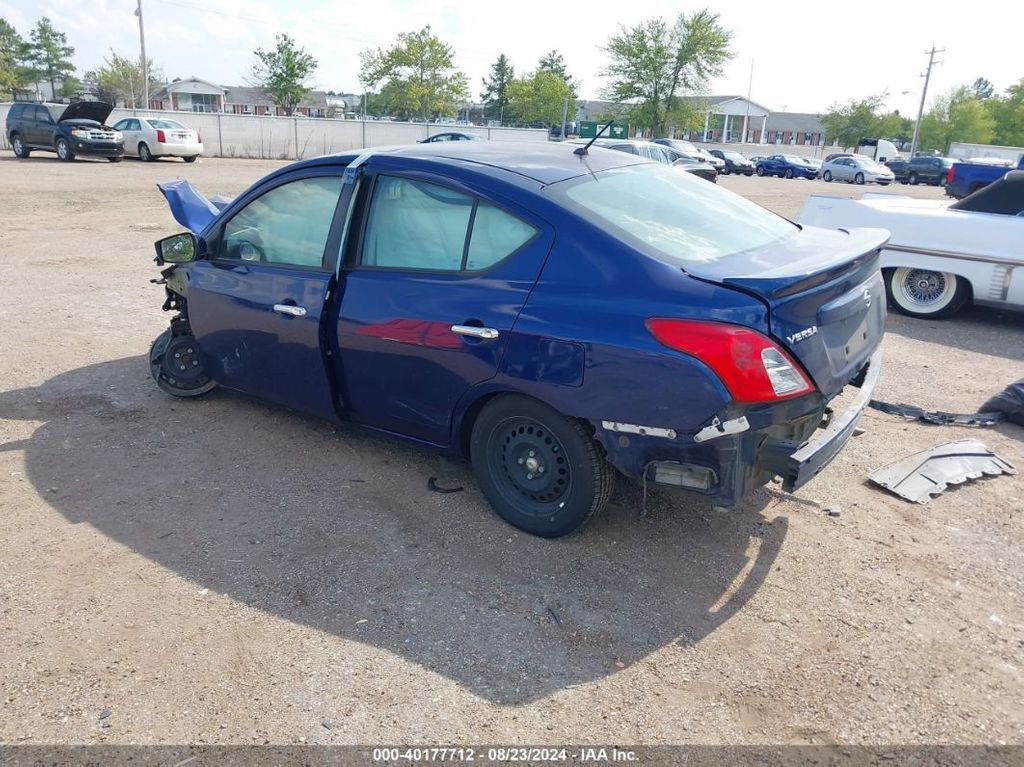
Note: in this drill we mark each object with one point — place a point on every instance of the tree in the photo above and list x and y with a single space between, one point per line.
50 54
538 98
956 116
1008 115
495 92
982 89
418 74
553 62
120 79
846 124
653 64
12 56
283 72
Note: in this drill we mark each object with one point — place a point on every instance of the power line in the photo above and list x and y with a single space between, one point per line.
927 75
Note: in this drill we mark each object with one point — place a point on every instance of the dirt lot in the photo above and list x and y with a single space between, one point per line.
223 571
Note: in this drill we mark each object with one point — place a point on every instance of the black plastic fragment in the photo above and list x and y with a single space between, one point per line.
433 487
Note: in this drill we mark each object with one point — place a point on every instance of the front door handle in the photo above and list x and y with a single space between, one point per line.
289 309
487 334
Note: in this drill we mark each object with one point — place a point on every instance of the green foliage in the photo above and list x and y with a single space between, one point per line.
49 54
283 72
652 64
956 116
982 89
1008 115
495 92
553 62
120 79
846 124
12 58
539 98
418 75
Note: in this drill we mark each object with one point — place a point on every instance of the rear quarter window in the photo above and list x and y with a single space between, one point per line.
16 110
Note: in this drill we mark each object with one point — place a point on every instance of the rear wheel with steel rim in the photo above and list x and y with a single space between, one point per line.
541 471
64 151
926 294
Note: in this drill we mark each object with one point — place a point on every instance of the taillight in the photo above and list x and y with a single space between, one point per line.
161 137
949 176
752 366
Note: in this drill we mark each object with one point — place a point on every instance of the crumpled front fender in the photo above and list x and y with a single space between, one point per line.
190 208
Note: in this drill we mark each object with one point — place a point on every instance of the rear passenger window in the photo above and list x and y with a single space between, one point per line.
496 234
417 225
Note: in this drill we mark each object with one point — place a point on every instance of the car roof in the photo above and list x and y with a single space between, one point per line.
543 162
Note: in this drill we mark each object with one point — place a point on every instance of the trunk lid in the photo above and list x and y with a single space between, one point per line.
87 110
825 296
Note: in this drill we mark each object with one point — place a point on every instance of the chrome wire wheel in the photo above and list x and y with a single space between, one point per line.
926 293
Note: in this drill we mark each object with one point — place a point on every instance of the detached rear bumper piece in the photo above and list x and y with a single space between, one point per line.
929 472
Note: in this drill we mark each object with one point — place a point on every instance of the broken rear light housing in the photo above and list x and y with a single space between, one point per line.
752 366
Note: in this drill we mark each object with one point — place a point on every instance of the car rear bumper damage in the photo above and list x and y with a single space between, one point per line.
729 458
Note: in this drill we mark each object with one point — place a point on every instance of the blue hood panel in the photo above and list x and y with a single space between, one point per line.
188 206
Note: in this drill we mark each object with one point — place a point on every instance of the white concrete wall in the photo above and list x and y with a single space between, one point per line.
290 138
765 149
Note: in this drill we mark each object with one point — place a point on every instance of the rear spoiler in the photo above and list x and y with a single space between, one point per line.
190 208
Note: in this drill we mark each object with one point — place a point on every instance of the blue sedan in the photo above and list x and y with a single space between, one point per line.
559 316
786 166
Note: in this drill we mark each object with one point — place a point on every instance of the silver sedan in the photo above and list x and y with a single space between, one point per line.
856 170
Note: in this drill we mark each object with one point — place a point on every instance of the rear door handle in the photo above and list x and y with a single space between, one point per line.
293 311
488 334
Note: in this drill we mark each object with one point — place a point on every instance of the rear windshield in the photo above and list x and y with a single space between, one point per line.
167 125
671 214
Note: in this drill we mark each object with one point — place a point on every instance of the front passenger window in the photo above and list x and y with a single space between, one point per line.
287 225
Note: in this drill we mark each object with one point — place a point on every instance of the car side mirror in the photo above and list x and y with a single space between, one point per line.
177 249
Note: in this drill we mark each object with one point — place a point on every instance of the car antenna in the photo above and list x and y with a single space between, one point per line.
583 149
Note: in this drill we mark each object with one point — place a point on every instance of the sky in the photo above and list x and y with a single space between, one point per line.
803 60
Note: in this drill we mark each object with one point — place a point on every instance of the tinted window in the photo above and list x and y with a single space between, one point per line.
163 125
496 234
38 113
121 125
16 111
415 225
287 225
671 215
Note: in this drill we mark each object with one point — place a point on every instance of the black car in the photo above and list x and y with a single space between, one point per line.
734 162
697 168
67 129
898 167
451 136
929 170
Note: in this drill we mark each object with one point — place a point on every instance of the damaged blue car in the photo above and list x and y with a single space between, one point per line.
557 315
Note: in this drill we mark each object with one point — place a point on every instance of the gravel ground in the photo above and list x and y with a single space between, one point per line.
224 571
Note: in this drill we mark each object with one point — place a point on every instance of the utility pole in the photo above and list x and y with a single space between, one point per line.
924 92
145 64
565 115
750 88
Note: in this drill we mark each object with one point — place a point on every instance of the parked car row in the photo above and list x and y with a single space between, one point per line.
71 130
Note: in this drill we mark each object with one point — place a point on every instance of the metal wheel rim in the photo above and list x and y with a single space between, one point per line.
530 465
144 153
62 150
17 145
924 287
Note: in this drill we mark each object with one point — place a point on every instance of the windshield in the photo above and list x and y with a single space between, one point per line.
670 214
793 159
735 156
167 124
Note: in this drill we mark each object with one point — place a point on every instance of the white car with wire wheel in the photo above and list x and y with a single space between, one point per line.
151 137
941 256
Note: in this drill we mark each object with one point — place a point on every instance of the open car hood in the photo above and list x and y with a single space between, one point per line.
87 110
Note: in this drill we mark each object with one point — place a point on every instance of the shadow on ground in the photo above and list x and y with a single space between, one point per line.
974 328
336 529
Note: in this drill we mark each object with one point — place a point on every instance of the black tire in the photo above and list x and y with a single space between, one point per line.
20 150
945 300
114 159
859 179
912 179
568 482
191 380
144 154
827 177
64 150
789 173
760 170
193 158
941 181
